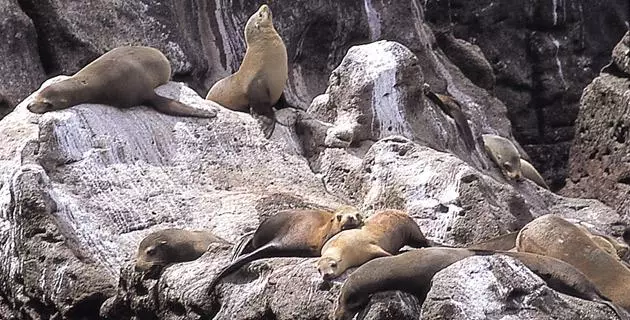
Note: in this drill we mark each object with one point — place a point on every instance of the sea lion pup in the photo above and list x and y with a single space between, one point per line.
413 271
528 171
168 246
292 233
504 154
259 81
553 236
453 109
123 77
382 234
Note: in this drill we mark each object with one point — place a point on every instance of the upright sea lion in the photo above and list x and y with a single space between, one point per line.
504 153
383 234
171 246
413 271
453 109
292 233
123 77
553 236
259 81
528 171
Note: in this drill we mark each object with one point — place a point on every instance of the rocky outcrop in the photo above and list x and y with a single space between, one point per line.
80 187
543 54
497 292
599 162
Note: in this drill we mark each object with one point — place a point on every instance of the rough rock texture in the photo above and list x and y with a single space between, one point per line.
600 156
80 187
543 54
536 49
21 71
493 287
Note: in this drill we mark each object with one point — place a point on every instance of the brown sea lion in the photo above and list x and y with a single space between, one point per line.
413 271
382 234
168 246
123 77
292 233
528 171
453 109
609 244
504 154
259 81
556 237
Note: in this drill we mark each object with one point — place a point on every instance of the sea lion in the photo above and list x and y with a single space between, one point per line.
553 236
609 244
292 233
382 234
259 81
504 154
528 171
123 77
413 271
173 245
453 109
467 57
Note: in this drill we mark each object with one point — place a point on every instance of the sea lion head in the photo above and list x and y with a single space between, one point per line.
511 167
261 20
152 251
349 303
505 154
328 268
347 217
54 97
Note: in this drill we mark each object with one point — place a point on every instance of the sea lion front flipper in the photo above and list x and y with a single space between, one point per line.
176 108
260 104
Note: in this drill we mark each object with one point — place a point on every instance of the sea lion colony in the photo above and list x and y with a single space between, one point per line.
588 264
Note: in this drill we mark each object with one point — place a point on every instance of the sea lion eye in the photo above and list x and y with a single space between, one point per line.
339 218
150 251
333 264
507 166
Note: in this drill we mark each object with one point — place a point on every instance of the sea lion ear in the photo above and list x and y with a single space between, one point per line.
162 242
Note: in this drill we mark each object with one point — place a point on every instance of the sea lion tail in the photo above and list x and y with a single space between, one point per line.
242 245
176 108
265 251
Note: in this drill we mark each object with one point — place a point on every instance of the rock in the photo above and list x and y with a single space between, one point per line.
500 287
21 70
621 54
80 187
543 54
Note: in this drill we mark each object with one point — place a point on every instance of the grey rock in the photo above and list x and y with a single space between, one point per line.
80 187
21 69
500 287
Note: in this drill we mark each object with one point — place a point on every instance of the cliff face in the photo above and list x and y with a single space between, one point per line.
541 53
79 188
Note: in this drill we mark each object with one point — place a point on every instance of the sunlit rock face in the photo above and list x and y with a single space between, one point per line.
535 56
81 187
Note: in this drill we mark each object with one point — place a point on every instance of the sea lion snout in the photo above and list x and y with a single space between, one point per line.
327 268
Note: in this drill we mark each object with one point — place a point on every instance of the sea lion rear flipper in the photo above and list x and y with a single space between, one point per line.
176 108
244 245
